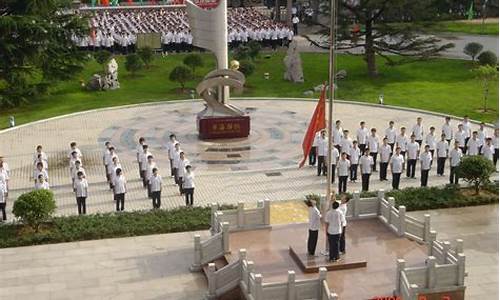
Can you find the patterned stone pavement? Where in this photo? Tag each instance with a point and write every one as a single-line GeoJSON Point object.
{"type": "Point", "coordinates": [261, 166]}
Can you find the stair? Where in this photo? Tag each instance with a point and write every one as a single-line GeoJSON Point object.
{"type": "Point", "coordinates": [234, 294]}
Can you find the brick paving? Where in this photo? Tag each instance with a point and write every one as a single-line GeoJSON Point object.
{"type": "Point", "coordinates": [274, 146]}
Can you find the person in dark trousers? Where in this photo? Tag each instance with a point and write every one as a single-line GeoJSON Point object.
{"type": "Point", "coordinates": [442, 148]}
{"type": "Point", "coordinates": [335, 158]}
{"type": "Point", "coordinates": [119, 190]}
{"type": "Point", "coordinates": [3, 199]}
{"type": "Point", "coordinates": [494, 141]}
{"type": "Point", "coordinates": [385, 154]}
{"type": "Point", "coordinates": [366, 162]}
{"type": "Point", "coordinates": [334, 222]}
{"type": "Point", "coordinates": [314, 223]}
{"type": "Point", "coordinates": [343, 209]}
{"type": "Point", "coordinates": [188, 186]}
{"type": "Point", "coordinates": [354, 155]}
{"type": "Point", "coordinates": [312, 152]}
{"type": "Point", "coordinates": [413, 151]}
{"type": "Point", "coordinates": [155, 183]}
{"type": "Point", "coordinates": [425, 165]}
{"type": "Point", "coordinates": [321, 153]}
{"type": "Point", "coordinates": [455, 157]}
{"type": "Point", "coordinates": [396, 164]}
{"type": "Point", "coordinates": [343, 170]}
{"type": "Point", "coordinates": [81, 191]}
{"type": "Point", "coordinates": [373, 145]}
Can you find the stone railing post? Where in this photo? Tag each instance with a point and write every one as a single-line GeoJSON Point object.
{"type": "Point", "coordinates": [432, 238]}
{"type": "Point", "coordinates": [412, 292]}
{"type": "Point", "coordinates": [196, 266]}
{"type": "Point", "coordinates": [431, 272]}
{"type": "Point", "coordinates": [211, 281]}
{"type": "Point", "coordinates": [380, 196]}
{"type": "Point", "coordinates": [461, 269]}
{"type": "Point", "coordinates": [392, 203]}
{"type": "Point", "coordinates": [291, 294]}
{"type": "Point", "coordinates": [333, 296]}
{"type": "Point", "coordinates": [241, 215]}
{"type": "Point", "coordinates": [400, 266]}
{"type": "Point", "coordinates": [258, 287]}
{"type": "Point", "coordinates": [267, 212]}
{"type": "Point", "coordinates": [446, 250]}
{"type": "Point", "coordinates": [213, 210]}
{"type": "Point", "coordinates": [250, 268]}
{"type": "Point", "coordinates": [459, 248]}
{"type": "Point", "coordinates": [355, 204]}
{"type": "Point", "coordinates": [260, 203]}
{"type": "Point", "coordinates": [243, 254]}
{"type": "Point", "coordinates": [225, 237]}
{"type": "Point", "coordinates": [427, 228]}
{"type": "Point", "coordinates": [321, 279]}
{"type": "Point", "coordinates": [402, 220]}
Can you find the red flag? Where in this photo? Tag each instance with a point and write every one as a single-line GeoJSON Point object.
{"type": "Point", "coordinates": [317, 123]}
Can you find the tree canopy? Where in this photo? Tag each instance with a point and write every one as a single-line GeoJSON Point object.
{"type": "Point", "coordinates": [36, 47]}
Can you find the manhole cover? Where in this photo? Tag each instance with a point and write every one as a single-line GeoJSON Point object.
{"type": "Point", "coordinates": [273, 174]}
{"type": "Point", "coordinates": [236, 155]}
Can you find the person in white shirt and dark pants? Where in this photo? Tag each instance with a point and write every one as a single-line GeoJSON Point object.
{"type": "Point", "coordinates": [442, 148]}
{"type": "Point", "coordinates": [455, 157]}
{"type": "Point", "coordinates": [3, 199]}
{"type": "Point", "coordinates": [413, 149]}
{"type": "Point", "coordinates": [119, 189]}
{"type": "Point", "coordinates": [334, 222]}
{"type": "Point", "coordinates": [81, 192]}
{"type": "Point", "coordinates": [321, 153]}
{"type": "Point", "coordinates": [343, 170]}
{"type": "Point", "coordinates": [373, 144]}
{"type": "Point", "coordinates": [354, 155]}
{"type": "Point", "coordinates": [366, 162]}
{"type": "Point", "coordinates": [425, 165]}
{"type": "Point", "coordinates": [155, 183]}
{"type": "Point", "coordinates": [343, 209]}
{"type": "Point", "coordinates": [385, 155]}
{"type": "Point", "coordinates": [314, 223]}
{"type": "Point", "coordinates": [396, 163]}
{"type": "Point", "coordinates": [188, 186]}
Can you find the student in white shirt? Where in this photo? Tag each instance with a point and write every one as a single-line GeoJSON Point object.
{"type": "Point", "coordinates": [106, 159]}
{"type": "Point", "coordinates": [155, 183]}
{"type": "Point", "coordinates": [150, 165]}
{"type": "Point", "coordinates": [312, 153]}
{"type": "Point", "coordinates": [74, 148]}
{"type": "Point", "coordinates": [344, 199]}
{"type": "Point", "coordinates": [361, 135]}
{"type": "Point", "coordinates": [402, 141]}
{"type": "Point", "coordinates": [487, 150]}
{"type": "Point", "coordinates": [81, 192]}
{"type": "Point", "coordinates": [335, 159]}
{"type": "Point", "coordinates": [119, 190]}
{"type": "Point", "coordinates": [4, 166]}
{"type": "Point", "coordinates": [390, 134]}
{"type": "Point", "coordinates": [447, 130]}
{"type": "Point", "coordinates": [354, 155]}
{"type": "Point", "coordinates": [460, 138]}
{"type": "Point", "coordinates": [3, 200]}
{"type": "Point", "coordinates": [425, 165]}
{"type": "Point", "coordinates": [442, 148]}
{"type": "Point", "coordinates": [138, 153]}
{"type": "Point", "coordinates": [455, 157]}
{"type": "Point", "coordinates": [413, 149]}
{"type": "Point", "coordinates": [40, 171]}
{"type": "Point", "coordinates": [337, 134]}
{"type": "Point", "coordinates": [430, 139]}
{"type": "Point", "coordinates": [473, 145]}
{"type": "Point", "coordinates": [40, 154]}
{"type": "Point", "coordinates": [41, 183]}
{"type": "Point", "coordinates": [188, 186]}
{"type": "Point", "coordinates": [314, 223]}
{"type": "Point", "coordinates": [171, 149]}
{"type": "Point", "coordinates": [343, 166]}
{"type": "Point", "coordinates": [4, 175]}
{"type": "Point", "coordinates": [143, 157]}
{"type": "Point", "coordinates": [418, 131]}
{"type": "Point", "coordinates": [494, 141]}
{"type": "Point", "coordinates": [322, 152]}
{"type": "Point", "coordinates": [366, 163]}
{"type": "Point", "coordinates": [481, 135]}
{"type": "Point", "coordinates": [74, 175]}
{"type": "Point", "coordinates": [334, 221]}
{"type": "Point", "coordinates": [396, 164]}
{"type": "Point", "coordinates": [467, 129]}
{"type": "Point", "coordinates": [373, 144]}
{"type": "Point", "coordinates": [183, 162]}
{"type": "Point", "coordinates": [176, 158]}
{"type": "Point", "coordinates": [345, 143]}
{"type": "Point", "coordinates": [385, 155]}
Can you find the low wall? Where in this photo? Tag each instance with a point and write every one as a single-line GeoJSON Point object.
{"type": "Point", "coordinates": [213, 248]}
{"type": "Point", "coordinates": [242, 218]}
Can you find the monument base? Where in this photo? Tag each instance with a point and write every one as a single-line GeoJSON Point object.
{"type": "Point", "coordinates": [312, 264]}
{"type": "Point", "coordinates": [223, 127]}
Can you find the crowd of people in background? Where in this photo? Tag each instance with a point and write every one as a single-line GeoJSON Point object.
{"type": "Point", "coordinates": [149, 172]}
{"type": "Point", "coordinates": [399, 150]}
{"type": "Point", "coordinates": [116, 30]}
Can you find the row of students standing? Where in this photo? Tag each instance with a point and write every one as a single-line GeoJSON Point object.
{"type": "Point", "coordinates": [4, 186]}
{"type": "Point", "coordinates": [396, 152]}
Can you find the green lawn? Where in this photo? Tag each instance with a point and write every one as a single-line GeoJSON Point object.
{"type": "Point", "coordinates": [440, 85]}
{"type": "Point", "coordinates": [476, 27]}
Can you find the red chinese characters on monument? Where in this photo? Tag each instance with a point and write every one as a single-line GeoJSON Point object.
{"type": "Point", "coordinates": [224, 127]}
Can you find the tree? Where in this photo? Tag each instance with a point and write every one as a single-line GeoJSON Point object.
{"type": "Point", "coordinates": [387, 28]}
{"type": "Point", "coordinates": [247, 67]}
{"type": "Point", "coordinates": [486, 75]}
{"type": "Point", "coordinates": [487, 58]}
{"type": "Point", "coordinates": [36, 47]}
{"type": "Point", "coordinates": [146, 54]}
{"type": "Point", "coordinates": [102, 57]}
{"type": "Point", "coordinates": [181, 74]}
{"type": "Point", "coordinates": [133, 63]}
{"type": "Point", "coordinates": [473, 49]}
{"type": "Point", "coordinates": [475, 169]}
{"type": "Point", "coordinates": [193, 61]}
{"type": "Point", "coordinates": [34, 208]}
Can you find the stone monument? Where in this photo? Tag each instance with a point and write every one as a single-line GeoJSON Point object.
{"type": "Point", "coordinates": [219, 119]}
{"type": "Point", "coordinates": [293, 64]}
{"type": "Point", "coordinates": [111, 77]}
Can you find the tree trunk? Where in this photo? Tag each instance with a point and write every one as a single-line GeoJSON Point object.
{"type": "Point", "coordinates": [277, 11]}
{"type": "Point", "coordinates": [476, 186]}
{"type": "Point", "coordinates": [485, 100]}
{"type": "Point", "coordinates": [369, 51]}
{"type": "Point", "coordinates": [289, 13]}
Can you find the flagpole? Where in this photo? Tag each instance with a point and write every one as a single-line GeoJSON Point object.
{"type": "Point", "coordinates": [331, 80]}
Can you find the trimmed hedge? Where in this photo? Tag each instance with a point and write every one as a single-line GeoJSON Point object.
{"type": "Point", "coordinates": [108, 225]}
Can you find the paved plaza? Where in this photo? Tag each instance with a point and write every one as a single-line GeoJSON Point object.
{"type": "Point", "coordinates": [264, 165]}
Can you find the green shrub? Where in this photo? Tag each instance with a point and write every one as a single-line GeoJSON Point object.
{"type": "Point", "coordinates": [475, 169]}
{"type": "Point", "coordinates": [193, 61]}
{"type": "Point", "coordinates": [34, 208]}
{"type": "Point", "coordinates": [487, 58]}
{"type": "Point", "coordinates": [473, 49]}
{"type": "Point", "coordinates": [181, 74]}
{"type": "Point", "coordinates": [247, 67]}
{"type": "Point", "coordinates": [133, 63]}
{"type": "Point", "coordinates": [146, 54]}
{"type": "Point", "coordinates": [102, 57]}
